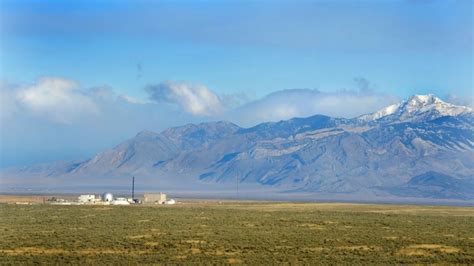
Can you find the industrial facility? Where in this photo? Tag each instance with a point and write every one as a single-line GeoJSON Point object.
{"type": "Point", "coordinates": [108, 198]}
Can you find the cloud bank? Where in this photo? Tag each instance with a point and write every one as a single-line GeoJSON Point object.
{"type": "Point", "coordinates": [291, 103]}
{"type": "Point", "coordinates": [199, 100]}
{"type": "Point", "coordinates": [56, 118]}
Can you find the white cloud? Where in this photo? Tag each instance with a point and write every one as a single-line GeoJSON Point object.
{"type": "Point", "coordinates": [194, 99]}
{"type": "Point", "coordinates": [291, 103]}
{"type": "Point", "coordinates": [59, 99]}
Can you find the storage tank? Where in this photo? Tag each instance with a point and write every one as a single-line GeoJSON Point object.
{"type": "Point", "coordinates": [107, 197]}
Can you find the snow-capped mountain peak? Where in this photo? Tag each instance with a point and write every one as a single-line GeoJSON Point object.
{"type": "Point", "coordinates": [429, 101]}
{"type": "Point", "coordinates": [416, 108]}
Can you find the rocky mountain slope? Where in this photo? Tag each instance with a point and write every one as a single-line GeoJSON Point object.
{"type": "Point", "coordinates": [422, 147]}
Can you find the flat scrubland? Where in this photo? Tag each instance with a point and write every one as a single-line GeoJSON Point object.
{"type": "Point", "coordinates": [236, 232]}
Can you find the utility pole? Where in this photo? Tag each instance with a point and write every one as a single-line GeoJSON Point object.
{"type": "Point", "coordinates": [238, 181]}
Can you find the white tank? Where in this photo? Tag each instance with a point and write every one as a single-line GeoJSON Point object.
{"type": "Point", "coordinates": [107, 197]}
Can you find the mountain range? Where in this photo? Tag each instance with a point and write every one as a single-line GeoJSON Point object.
{"type": "Point", "coordinates": [422, 147]}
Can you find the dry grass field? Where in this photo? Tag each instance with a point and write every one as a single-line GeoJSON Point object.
{"type": "Point", "coordinates": [236, 232]}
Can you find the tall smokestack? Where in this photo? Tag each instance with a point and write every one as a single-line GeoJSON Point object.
{"type": "Point", "coordinates": [133, 187]}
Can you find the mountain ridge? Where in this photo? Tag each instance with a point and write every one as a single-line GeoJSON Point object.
{"type": "Point", "coordinates": [316, 154]}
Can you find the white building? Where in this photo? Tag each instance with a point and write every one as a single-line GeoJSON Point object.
{"type": "Point", "coordinates": [86, 199]}
{"type": "Point", "coordinates": [154, 198]}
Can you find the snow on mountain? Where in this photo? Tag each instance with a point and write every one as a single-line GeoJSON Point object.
{"type": "Point", "coordinates": [416, 108]}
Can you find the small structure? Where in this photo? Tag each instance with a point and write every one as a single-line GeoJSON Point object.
{"type": "Point", "coordinates": [154, 198]}
{"type": "Point", "coordinates": [87, 199]}
{"type": "Point", "coordinates": [120, 201]}
{"type": "Point", "coordinates": [170, 201]}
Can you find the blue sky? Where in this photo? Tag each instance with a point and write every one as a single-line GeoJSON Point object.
{"type": "Point", "coordinates": [242, 52]}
